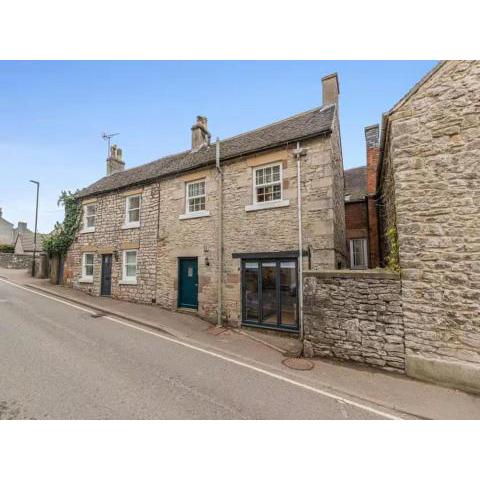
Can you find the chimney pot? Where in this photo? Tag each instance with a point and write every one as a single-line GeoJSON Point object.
{"type": "Point", "coordinates": [115, 161]}
{"type": "Point", "coordinates": [200, 134]}
{"type": "Point", "coordinates": [330, 89]}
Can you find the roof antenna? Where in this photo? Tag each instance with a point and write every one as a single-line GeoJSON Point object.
{"type": "Point", "coordinates": [108, 137]}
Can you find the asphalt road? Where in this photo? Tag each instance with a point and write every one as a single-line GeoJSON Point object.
{"type": "Point", "coordinates": [58, 362]}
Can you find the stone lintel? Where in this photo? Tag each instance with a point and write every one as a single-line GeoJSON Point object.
{"type": "Point", "coordinates": [130, 246]}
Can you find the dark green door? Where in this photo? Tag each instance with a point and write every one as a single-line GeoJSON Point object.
{"type": "Point", "coordinates": [188, 283]}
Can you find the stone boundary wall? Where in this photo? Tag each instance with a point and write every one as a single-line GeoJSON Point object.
{"type": "Point", "coordinates": [354, 315]}
{"type": "Point", "coordinates": [15, 261]}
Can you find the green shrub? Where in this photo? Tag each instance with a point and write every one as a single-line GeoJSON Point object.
{"type": "Point", "coordinates": [63, 234]}
{"type": "Point", "coordinates": [393, 257]}
{"type": "Point", "coordinates": [5, 248]}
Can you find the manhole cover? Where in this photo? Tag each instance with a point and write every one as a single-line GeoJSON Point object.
{"type": "Point", "coordinates": [298, 363]}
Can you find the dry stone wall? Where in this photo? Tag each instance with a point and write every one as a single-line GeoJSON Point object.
{"type": "Point", "coordinates": [353, 315]}
{"type": "Point", "coordinates": [15, 261]}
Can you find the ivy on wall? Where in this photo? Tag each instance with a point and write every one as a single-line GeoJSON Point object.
{"type": "Point", "coordinates": [63, 234]}
{"type": "Point", "coordinates": [393, 257]}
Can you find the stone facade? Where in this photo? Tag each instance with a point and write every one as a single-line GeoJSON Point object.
{"type": "Point", "coordinates": [430, 191]}
{"type": "Point", "coordinates": [354, 315]}
{"type": "Point", "coordinates": [166, 233]}
{"type": "Point", "coordinates": [111, 237]}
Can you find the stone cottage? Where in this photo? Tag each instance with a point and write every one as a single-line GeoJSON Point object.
{"type": "Point", "coordinates": [224, 229]}
{"type": "Point", "coordinates": [429, 203]}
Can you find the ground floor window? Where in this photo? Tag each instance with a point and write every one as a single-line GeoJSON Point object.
{"type": "Point", "coordinates": [87, 266]}
{"type": "Point", "coordinates": [130, 265]}
{"type": "Point", "coordinates": [358, 253]}
{"type": "Point", "coordinates": [270, 293]}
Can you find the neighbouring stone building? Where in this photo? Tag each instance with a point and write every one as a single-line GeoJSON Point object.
{"type": "Point", "coordinates": [361, 223]}
{"type": "Point", "coordinates": [429, 202]}
{"type": "Point", "coordinates": [7, 235]}
{"type": "Point", "coordinates": [216, 228]}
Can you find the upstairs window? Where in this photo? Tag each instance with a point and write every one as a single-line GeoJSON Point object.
{"type": "Point", "coordinates": [358, 253]}
{"type": "Point", "coordinates": [268, 184]}
{"type": "Point", "coordinates": [196, 196]}
{"type": "Point", "coordinates": [133, 211]}
{"type": "Point", "coordinates": [89, 213]}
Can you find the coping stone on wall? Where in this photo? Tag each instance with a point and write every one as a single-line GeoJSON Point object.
{"type": "Point", "coordinates": [378, 274]}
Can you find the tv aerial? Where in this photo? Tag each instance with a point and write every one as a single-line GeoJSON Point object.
{"type": "Point", "coordinates": [108, 137]}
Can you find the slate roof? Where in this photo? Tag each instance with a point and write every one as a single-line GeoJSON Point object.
{"type": "Point", "coordinates": [356, 183]}
{"type": "Point", "coordinates": [304, 125]}
{"type": "Point", "coordinates": [26, 238]}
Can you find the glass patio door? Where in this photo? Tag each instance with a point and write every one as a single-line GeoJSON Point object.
{"type": "Point", "coordinates": [270, 293]}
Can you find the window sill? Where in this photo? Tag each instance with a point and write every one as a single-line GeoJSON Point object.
{"type": "Point", "coordinates": [127, 282]}
{"type": "Point", "coordinates": [85, 280]}
{"type": "Point", "coordinates": [186, 216]}
{"type": "Point", "coordinates": [87, 230]}
{"type": "Point", "coordinates": [267, 205]}
{"type": "Point", "coordinates": [131, 225]}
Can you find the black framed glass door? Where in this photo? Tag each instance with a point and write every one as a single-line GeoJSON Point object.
{"type": "Point", "coordinates": [270, 293]}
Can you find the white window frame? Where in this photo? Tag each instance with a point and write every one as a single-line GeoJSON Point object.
{"type": "Point", "coordinates": [135, 224]}
{"type": "Point", "coordinates": [86, 228]}
{"type": "Point", "coordinates": [256, 205]}
{"type": "Point", "coordinates": [130, 280]}
{"type": "Point", "coordinates": [365, 254]}
{"type": "Point", "coordinates": [197, 213]}
{"type": "Point", "coordinates": [87, 278]}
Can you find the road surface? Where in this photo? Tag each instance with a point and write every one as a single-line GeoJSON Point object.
{"type": "Point", "coordinates": [57, 361]}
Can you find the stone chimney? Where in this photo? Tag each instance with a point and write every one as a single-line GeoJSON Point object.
{"type": "Point", "coordinates": [22, 227]}
{"type": "Point", "coordinates": [114, 161]}
{"type": "Point", "coordinates": [372, 138]}
{"type": "Point", "coordinates": [330, 89]}
{"type": "Point", "coordinates": [200, 134]}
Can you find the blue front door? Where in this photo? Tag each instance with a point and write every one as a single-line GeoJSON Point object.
{"type": "Point", "coordinates": [188, 283]}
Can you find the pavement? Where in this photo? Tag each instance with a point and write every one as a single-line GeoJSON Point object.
{"type": "Point", "coordinates": [68, 355]}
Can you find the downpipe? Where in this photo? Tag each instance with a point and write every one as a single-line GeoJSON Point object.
{"type": "Point", "coordinates": [299, 153]}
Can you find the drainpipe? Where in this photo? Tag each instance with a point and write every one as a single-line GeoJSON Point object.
{"type": "Point", "coordinates": [299, 153]}
{"type": "Point", "coordinates": [219, 233]}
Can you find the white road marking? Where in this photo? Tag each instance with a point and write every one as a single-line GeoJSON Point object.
{"type": "Point", "coordinates": [318, 391]}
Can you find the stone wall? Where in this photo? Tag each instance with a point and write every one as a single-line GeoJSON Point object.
{"type": "Point", "coordinates": [354, 315]}
{"type": "Point", "coordinates": [433, 153]}
{"type": "Point", "coordinates": [15, 261]}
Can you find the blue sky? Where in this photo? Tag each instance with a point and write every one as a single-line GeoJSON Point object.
{"type": "Point", "coordinates": [52, 113]}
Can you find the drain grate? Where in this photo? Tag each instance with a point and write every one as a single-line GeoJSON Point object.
{"type": "Point", "coordinates": [298, 363]}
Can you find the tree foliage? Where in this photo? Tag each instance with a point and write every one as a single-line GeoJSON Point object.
{"type": "Point", "coordinates": [6, 248]}
{"type": "Point", "coordinates": [63, 234]}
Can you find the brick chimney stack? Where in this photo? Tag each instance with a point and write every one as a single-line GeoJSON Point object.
{"type": "Point", "coordinates": [330, 89]}
{"type": "Point", "coordinates": [372, 139]}
{"type": "Point", "coordinates": [200, 134]}
{"type": "Point", "coordinates": [115, 162]}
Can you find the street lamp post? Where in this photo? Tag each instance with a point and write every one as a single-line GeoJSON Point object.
{"type": "Point", "coordinates": [35, 233]}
